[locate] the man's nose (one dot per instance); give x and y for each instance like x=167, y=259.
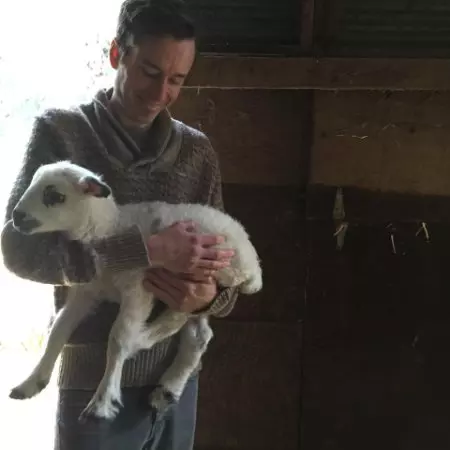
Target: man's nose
x=159, y=92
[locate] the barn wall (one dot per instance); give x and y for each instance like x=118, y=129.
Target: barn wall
x=252, y=372
x=387, y=141
x=377, y=311
x=342, y=349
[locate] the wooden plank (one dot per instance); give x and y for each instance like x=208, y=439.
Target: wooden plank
x=250, y=388
x=274, y=219
x=307, y=25
x=257, y=134
x=327, y=15
x=364, y=206
x=235, y=72
x=376, y=334
x=396, y=142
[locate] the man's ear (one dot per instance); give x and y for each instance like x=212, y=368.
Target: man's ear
x=93, y=186
x=114, y=54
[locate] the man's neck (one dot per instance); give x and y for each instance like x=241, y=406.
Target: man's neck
x=117, y=110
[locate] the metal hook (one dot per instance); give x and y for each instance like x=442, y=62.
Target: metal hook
x=392, y=238
x=339, y=216
x=423, y=228
x=394, y=249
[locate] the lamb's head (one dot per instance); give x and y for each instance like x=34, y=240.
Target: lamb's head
x=58, y=198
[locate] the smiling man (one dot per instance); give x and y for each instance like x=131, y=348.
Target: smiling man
x=127, y=134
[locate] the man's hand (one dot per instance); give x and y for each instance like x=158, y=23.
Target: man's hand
x=181, y=292
x=179, y=249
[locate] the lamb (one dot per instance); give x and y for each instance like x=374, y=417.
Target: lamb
x=69, y=198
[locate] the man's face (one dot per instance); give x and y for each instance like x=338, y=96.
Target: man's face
x=149, y=76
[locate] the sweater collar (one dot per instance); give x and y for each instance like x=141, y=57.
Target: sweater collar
x=158, y=144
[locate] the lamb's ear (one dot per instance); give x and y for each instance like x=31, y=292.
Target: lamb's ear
x=95, y=187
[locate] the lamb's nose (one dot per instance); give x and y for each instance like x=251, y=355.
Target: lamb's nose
x=18, y=217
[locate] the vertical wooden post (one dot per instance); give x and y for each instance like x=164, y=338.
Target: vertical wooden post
x=306, y=25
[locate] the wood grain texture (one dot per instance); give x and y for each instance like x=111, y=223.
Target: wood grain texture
x=307, y=8
x=250, y=388
x=365, y=206
x=257, y=134
x=376, y=330
x=278, y=72
x=394, y=142
x=274, y=219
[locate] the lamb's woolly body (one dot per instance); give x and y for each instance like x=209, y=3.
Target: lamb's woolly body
x=90, y=217
x=109, y=219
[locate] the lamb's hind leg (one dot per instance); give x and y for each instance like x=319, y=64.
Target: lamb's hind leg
x=78, y=305
x=194, y=339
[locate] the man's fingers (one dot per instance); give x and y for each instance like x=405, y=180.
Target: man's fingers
x=211, y=266
x=201, y=275
x=161, y=294
x=209, y=240
x=165, y=278
x=164, y=282
x=217, y=255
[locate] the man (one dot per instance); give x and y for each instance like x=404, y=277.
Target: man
x=127, y=134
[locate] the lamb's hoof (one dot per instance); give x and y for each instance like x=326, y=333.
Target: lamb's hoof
x=160, y=401
x=27, y=390
x=17, y=394
x=97, y=411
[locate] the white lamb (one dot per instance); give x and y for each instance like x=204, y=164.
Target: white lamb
x=69, y=198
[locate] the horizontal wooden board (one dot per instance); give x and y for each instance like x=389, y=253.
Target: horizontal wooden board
x=376, y=207
x=250, y=388
x=257, y=134
x=232, y=26
x=395, y=142
x=376, y=339
x=274, y=219
x=391, y=28
x=276, y=72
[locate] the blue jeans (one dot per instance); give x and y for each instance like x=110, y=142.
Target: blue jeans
x=133, y=428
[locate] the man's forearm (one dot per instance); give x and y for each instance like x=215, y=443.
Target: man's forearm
x=222, y=304
x=48, y=259
x=122, y=252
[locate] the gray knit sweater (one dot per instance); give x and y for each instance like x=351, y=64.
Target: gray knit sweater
x=171, y=162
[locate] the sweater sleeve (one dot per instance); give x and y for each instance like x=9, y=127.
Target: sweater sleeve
x=52, y=258
x=48, y=258
x=226, y=298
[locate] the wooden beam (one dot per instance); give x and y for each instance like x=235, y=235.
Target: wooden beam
x=236, y=72
x=307, y=25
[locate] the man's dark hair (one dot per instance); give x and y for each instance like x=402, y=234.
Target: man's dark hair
x=156, y=18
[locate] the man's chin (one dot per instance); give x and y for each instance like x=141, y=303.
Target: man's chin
x=147, y=118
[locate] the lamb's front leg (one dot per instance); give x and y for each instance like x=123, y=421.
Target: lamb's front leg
x=106, y=402
x=194, y=339
x=78, y=305
x=129, y=334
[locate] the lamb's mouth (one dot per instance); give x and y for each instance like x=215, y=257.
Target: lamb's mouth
x=27, y=226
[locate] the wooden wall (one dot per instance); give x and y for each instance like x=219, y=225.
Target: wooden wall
x=343, y=349
x=376, y=320
x=387, y=141
x=252, y=372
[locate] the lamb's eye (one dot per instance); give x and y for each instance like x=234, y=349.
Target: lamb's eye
x=52, y=197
